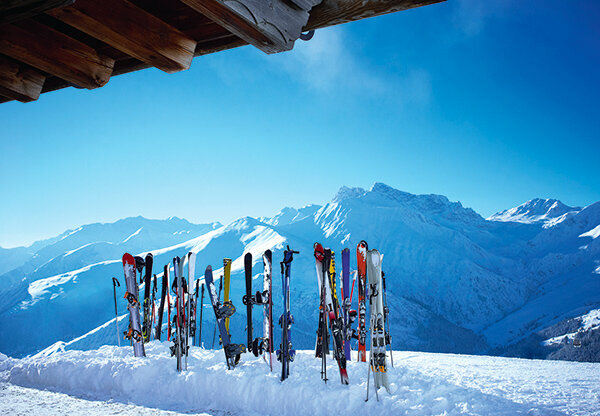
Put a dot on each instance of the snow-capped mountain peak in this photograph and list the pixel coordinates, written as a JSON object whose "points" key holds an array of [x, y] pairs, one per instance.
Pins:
{"points": [[548, 212]]}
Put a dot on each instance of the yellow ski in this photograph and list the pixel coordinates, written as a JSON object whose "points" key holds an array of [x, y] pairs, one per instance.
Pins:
{"points": [[227, 280]]}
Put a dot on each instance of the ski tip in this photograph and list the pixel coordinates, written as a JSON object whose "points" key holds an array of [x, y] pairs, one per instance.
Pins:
{"points": [[128, 259]]}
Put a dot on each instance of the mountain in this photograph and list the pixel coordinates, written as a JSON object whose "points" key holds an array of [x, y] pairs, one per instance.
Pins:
{"points": [[535, 211], [456, 282]]}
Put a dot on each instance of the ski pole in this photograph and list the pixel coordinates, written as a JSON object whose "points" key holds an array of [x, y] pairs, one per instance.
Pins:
{"points": [[115, 284]]}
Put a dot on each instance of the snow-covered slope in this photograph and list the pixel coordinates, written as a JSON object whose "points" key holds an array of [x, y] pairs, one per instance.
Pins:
{"points": [[545, 211], [421, 384], [456, 281]]}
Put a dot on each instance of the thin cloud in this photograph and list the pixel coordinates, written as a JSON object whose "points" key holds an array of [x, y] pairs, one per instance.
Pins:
{"points": [[326, 63]]}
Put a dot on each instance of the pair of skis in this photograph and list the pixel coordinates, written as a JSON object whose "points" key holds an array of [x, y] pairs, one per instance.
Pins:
{"points": [[285, 353], [134, 333], [260, 345], [329, 312], [377, 306], [182, 318]]}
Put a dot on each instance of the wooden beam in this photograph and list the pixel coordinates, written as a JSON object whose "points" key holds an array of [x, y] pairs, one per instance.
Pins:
{"points": [[13, 10], [335, 12], [55, 53], [132, 30], [272, 26], [18, 81]]}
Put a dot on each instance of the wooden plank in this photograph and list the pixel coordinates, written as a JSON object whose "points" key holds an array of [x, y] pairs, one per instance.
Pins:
{"points": [[14, 10], [55, 53], [130, 29], [335, 12], [18, 81], [272, 26]]}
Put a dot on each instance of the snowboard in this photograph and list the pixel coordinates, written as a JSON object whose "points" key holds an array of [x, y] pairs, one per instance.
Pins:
{"points": [[222, 311]]}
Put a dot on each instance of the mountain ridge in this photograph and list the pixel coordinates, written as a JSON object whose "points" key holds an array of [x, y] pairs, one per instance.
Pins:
{"points": [[458, 282]]}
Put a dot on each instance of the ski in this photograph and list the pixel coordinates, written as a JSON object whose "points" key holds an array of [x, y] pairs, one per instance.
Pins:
{"points": [[193, 312], [222, 311], [286, 354], [346, 302], [226, 285], [322, 333], [191, 263], [147, 325], [178, 319], [335, 321], [361, 260], [201, 310], [161, 307], [268, 307], [216, 323], [378, 351], [386, 317], [135, 328]]}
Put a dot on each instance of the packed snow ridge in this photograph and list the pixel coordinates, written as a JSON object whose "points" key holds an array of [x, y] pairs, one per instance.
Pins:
{"points": [[421, 384]]}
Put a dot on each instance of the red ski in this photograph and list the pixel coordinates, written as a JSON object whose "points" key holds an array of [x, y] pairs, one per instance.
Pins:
{"points": [[361, 260]]}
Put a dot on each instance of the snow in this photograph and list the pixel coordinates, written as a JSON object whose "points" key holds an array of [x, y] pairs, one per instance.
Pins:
{"points": [[457, 283], [548, 212], [594, 233], [134, 234], [110, 379]]}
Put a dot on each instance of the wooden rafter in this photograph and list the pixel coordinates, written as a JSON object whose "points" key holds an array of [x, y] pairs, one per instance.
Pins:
{"points": [[13, 10], [55, 53], [132, 30], [272, 26], [85, 47], [335, 12], [19, 81]]}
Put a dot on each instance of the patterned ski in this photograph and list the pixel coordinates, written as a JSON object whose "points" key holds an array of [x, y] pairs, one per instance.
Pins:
{"points": [[361, 260], [135, 328]]}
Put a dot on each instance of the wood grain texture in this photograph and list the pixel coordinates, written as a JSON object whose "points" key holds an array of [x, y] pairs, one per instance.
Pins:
{"points": [[18, 81], [55, 53], [130, 29], [271, 26], [14, 10], [335, 12]]}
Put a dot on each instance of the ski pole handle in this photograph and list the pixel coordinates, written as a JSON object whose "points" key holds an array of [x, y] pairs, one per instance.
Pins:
{"points": [[116, 282]]}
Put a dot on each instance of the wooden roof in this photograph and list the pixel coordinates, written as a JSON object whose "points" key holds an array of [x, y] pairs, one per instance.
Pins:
{"points": [[46, 45]]}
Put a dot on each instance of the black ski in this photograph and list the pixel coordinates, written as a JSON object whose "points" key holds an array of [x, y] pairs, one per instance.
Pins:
{"points": [[161, 308]]}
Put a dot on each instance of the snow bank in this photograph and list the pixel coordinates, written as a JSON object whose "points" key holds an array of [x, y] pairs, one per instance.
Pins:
{"points": [[417, 387]]}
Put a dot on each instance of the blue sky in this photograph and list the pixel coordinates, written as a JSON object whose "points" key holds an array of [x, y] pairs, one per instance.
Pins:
{"points": [[489, 103]]}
